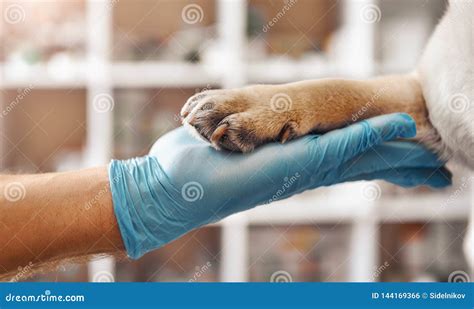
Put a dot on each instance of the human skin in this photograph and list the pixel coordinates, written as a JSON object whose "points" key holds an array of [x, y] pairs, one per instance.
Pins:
{"points": [[46, 218]]}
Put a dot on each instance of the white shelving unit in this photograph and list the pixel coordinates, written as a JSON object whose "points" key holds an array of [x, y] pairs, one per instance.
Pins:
{"points": [[99, 125], [99, 75]]}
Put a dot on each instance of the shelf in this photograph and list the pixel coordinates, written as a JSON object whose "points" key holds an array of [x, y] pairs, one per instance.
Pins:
{"points": [[162, 74], [308, 207], [126, 74], [340, 205], [284, 69], [70, 75], [430, 207]]}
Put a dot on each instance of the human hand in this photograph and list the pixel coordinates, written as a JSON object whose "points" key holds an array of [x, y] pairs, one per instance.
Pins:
{"points": [[184, 183]]}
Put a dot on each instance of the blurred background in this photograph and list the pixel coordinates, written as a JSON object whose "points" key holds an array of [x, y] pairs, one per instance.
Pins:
{"points": [[84, 81]]}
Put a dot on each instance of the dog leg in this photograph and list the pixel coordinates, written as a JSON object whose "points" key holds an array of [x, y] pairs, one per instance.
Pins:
{"points": [[242, 119]]}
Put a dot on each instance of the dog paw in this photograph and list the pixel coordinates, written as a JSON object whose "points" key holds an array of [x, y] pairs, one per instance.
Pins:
{"points": [[240, 119]]}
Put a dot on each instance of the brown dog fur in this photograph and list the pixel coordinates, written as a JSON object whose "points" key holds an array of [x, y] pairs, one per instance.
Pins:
{"points": [[242, 119]]}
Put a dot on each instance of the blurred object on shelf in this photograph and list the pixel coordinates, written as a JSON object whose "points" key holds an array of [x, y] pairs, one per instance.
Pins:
{"points": [[300, 253], [186, 45], [193, 258], [273, 27], [40, 125], [167, 30], [421, 251], [289, 27], [41, 31], [143, 115]]}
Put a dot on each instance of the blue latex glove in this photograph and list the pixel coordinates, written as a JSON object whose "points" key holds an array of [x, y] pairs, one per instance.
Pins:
{"points": [[184, 183]]}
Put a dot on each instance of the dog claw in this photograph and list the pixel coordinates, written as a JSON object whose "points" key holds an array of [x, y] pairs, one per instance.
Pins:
{"points": [[287, 133], [218, 133]]}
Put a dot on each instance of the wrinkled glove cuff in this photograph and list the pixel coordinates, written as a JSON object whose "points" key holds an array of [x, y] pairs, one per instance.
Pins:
{"points": [[131, 187]]}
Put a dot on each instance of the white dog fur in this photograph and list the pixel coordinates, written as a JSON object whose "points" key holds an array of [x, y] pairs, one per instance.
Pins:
{"points": [[446, 72]]}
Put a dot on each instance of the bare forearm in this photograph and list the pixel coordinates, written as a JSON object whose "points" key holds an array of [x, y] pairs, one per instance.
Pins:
{"points": [[47, 217]]}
